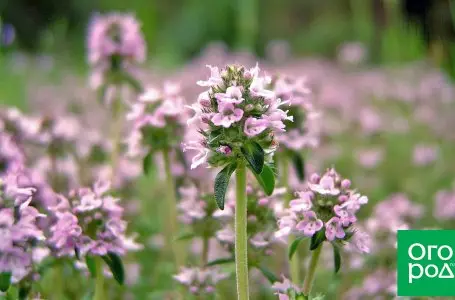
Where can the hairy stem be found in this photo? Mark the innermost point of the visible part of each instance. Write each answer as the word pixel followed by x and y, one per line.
pixel 99 280
pixel 205 251
pixel 241 239
pixel 116 133
pixel 311 270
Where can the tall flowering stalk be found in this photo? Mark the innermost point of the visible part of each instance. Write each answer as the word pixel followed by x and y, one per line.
pixel 90 224
pixel 240 117
pixel 300 135
pixel 20 234
pixel 325 212
pixel 197 211
pixel 157 128
pixel 261 226
pixel 115 48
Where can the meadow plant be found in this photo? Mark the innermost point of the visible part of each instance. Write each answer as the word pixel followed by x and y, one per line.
pixel 21 236
pixel 68 189
pixel 302 133
pixel 324 212
pixel 240 116
pixel 158 119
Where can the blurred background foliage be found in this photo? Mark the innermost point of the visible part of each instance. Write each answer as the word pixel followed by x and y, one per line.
pixel 394 31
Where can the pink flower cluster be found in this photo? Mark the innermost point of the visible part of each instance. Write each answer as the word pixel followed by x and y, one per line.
pixel 238 106
pixel 199 281
pixel 114 42
pixel 193 206
pixel 11 157
pixel 328 204
pixel 304 131
pixel 91 223
pixel 381 284
pixel 444 208
pixel 261 221
pixel 286 290
pixel 390 215
pixel 19 229
pixel 157 120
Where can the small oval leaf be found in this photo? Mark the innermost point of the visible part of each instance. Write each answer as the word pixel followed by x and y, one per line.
pixel 294 246
pixel 301 297
pixel 221 261
pixel 23 292
pixel 268 274
pixel 116 266
pixel 336 258
pixel 5 281
pixel 221 184
pixel 133 82
pixel 77 253
pixel 254 155
pixel 184 236
pixel 317 239
pixel 266 179
pixel 147 163
pixel 299 165
pixel 91 265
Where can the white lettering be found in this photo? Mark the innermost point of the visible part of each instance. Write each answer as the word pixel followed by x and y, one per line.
pixel 448 256
pixel 412 247
pixel 427 271
pixel 449 272
pixel 412 275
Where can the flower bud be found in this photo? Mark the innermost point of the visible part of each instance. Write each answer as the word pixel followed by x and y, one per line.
pixel 345 184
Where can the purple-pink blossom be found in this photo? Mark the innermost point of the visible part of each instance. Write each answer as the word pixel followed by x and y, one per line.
pixel 310 224
pixel 334 229
pixel 227 115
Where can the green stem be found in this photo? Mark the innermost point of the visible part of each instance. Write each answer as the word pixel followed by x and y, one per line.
pixel 171 207
pixel 116 133
pixel 99 280
pixel 205 251
pixel 58 291
pixel 311 271
pixel 241 239
pixel 294 263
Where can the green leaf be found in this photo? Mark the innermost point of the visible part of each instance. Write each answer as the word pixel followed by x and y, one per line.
pixel 295 244
pixel 133 82
pixel 91 265
pixel 266 179
pixel 301 297
pixel 23 292
pixel 102 94
pixel 77 253
pixel 222 182
pixel 272 278
pixel 254 155
pixel 5 281
pixel 336 258
pixel 221 261
pixel 299 165
pixel 317 239
pixel 184 236
pixel 147 163
pixel 88 296
pixel 116 266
